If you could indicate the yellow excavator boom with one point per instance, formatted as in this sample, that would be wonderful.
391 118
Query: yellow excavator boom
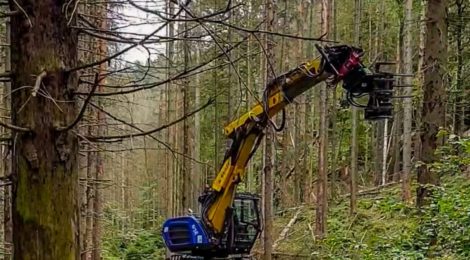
280 92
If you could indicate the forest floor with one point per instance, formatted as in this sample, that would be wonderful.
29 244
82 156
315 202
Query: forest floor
384 227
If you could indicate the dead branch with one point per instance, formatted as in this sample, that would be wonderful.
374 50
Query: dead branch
14 127
312 233
5 74
211 34
8 183
180 75
227 9
118 137
85 104
374 190
119 53
257 31
38 82
9 14
167 146
24 12
283 234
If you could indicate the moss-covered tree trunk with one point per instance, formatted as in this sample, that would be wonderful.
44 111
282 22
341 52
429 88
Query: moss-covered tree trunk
45 175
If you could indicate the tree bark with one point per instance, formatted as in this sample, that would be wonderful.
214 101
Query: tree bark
433 60
268 158
197 169
45 173
187 174
407 102
322 183
355 114
461 98
169 157
89 219
6 162
100 118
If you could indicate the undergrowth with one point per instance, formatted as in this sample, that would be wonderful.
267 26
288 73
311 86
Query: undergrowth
122 241
386 228
383 228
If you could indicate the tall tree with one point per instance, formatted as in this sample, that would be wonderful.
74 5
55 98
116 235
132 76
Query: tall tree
461 109
432 70
187 174
355 114
45 172
100 130
169 157
407 102
322 181
268 158
7 221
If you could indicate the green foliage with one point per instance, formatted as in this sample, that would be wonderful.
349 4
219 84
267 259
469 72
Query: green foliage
134 245
147 245
455 156
445 224
386 228
122 242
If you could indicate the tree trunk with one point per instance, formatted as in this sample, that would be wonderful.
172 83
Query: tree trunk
197 169
433 60
249 183
6 162
45 173
89 219
268 159
97 206
461 99
99 163
285 186
169 157
355 114
322 182
407 102
379 160
187 175
396 162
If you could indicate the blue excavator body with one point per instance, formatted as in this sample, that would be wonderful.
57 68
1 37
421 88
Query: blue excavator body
185 234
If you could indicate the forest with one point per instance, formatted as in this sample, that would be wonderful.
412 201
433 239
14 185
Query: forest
116 115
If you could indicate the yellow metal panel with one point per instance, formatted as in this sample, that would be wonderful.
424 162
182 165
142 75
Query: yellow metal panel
255 112
217 211
222 176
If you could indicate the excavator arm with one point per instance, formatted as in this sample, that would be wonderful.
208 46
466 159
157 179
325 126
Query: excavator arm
247 131
214 232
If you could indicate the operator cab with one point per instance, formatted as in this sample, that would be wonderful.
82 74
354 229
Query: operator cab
187 235
247 223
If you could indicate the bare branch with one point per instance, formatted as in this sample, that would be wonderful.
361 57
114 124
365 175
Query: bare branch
85 104
6 74
99 138
178 76
167 146
38 82
24 12
9 14
14 127
119 53
247 30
